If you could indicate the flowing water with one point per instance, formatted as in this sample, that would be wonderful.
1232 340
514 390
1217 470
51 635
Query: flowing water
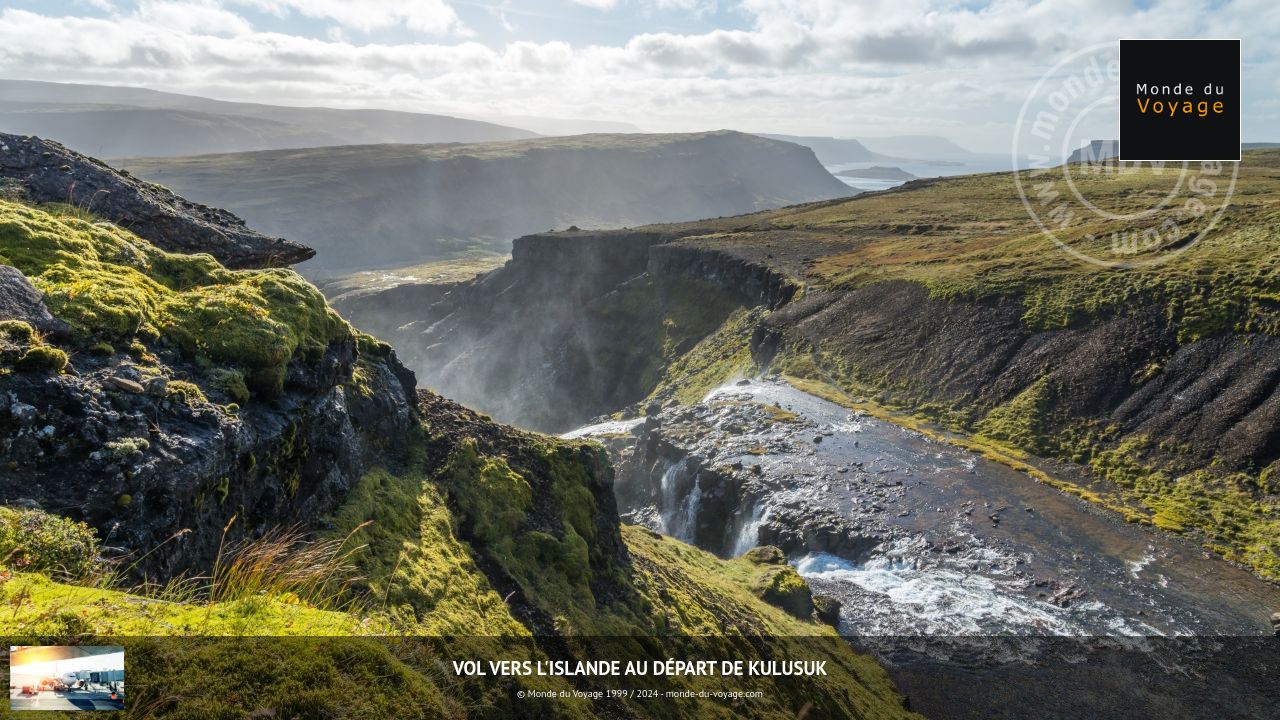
965 546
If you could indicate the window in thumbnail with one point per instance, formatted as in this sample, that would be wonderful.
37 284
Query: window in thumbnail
66 677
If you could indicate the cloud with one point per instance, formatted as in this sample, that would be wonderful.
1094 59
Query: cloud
192 16
426 16
801 66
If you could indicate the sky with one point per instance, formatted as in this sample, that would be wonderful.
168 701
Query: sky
109 661
807 67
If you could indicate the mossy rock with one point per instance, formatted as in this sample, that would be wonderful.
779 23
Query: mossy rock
112 286
42 358
184 391
784 588
766 555
230 382
17 331
38 541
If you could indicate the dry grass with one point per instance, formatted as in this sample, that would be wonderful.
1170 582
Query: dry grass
284 563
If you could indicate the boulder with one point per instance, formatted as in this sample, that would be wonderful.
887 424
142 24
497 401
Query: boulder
20 300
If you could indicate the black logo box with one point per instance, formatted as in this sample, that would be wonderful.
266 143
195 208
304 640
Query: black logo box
1180 65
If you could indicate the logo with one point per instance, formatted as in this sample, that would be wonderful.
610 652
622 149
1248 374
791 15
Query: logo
1096 207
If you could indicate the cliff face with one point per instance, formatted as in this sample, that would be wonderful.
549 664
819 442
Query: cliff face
576 324
388 205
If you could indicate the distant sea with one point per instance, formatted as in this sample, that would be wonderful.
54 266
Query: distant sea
921 169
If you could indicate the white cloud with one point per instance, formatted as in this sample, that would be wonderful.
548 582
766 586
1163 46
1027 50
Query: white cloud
192 16
801 66
426 16
597 4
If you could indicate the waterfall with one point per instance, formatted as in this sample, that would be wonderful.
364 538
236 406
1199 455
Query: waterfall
670 491
689 526
749 534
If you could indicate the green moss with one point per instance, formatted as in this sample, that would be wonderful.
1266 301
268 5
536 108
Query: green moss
1023 420
102 349
230 382
414 565
18 331
34 540
111 285
42 358
490 496
783 587
370 345
719 357
185 392
114 613
128 447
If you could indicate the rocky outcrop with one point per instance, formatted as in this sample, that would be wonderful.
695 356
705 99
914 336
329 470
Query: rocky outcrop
761 284
20 300
42 171
577 324
140 457
157 397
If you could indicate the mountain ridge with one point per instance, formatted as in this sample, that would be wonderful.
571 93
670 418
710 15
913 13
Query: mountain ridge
111 121
411 203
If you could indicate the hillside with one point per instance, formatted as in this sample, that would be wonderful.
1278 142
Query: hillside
1150 391
108 121
831 151
205 452
365 207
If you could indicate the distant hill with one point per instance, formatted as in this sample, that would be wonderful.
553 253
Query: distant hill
564 126
107 121
879 172
832 151
1096 151
921 147
379 206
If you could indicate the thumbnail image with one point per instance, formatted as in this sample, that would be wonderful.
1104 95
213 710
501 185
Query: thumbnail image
66 677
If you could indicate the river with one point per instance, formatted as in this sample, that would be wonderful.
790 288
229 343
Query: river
925 541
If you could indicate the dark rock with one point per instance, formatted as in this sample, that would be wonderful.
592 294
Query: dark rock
157 386
124 384
827 609
20 300
150 211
